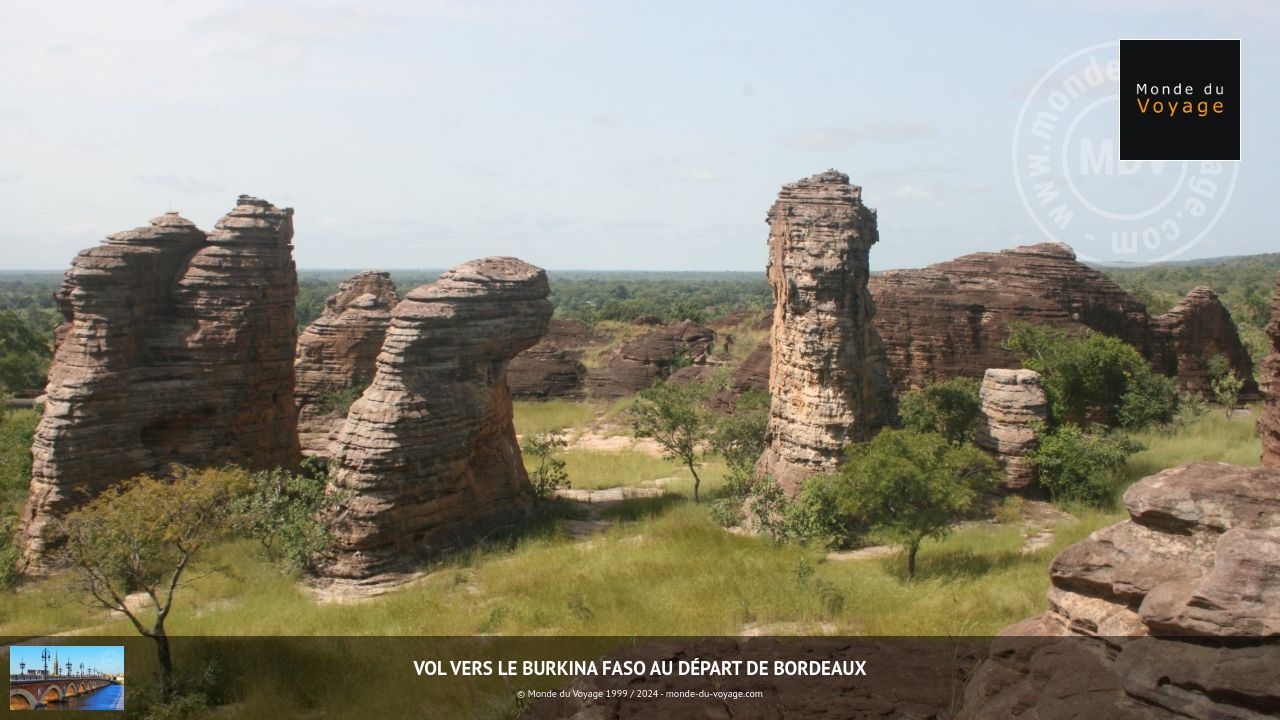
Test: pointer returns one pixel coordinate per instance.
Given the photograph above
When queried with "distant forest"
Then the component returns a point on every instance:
(28, 315)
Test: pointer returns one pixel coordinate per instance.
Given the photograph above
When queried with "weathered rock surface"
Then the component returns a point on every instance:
(1269, 422)
(177, 348)
(428, 457)
(950, 319)
(1013, 410)
(650, 357)
(553, 368)
(827, 380)
(1190, 334)
(337, 352)
(1174, 613)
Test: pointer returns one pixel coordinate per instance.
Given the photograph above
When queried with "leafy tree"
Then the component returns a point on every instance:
(1079, 466)
(739, 438)
(908, 485)
(1224, 382)
(287, 511)
(1093, 377)
(676, 417)
(947, 407)
(143, 536)
(549, 473)
(24, 354)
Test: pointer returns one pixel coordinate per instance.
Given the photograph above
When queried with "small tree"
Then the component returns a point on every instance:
(908, 485)
(287, 512)
(1224, 382)
(947, 407)
(142, 536)
(739, 438)
(1079, 466)
(548, 472)
(675, 416)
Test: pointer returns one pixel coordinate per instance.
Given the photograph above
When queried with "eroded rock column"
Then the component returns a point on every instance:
(1013, 411)
(827, 376)
(428, 456)
(1269, 422)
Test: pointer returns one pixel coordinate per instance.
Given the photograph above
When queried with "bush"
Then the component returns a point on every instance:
(814, 515)
(10, 552)
(548, 472)
(286, 512)
(726, 512)
(1076, 466)
(947, 407)
(739, 438)
(1094, 378)
(337, 403)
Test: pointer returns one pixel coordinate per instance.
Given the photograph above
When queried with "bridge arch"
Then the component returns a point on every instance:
(20, 699)
(70, 690)
(53, 693)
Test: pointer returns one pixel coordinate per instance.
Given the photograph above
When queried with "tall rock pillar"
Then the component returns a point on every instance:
(827, 378)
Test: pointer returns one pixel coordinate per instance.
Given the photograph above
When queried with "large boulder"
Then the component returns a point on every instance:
(177, 347)
(1188, 336)
(553, 368)
(652, 356)
(427, 458)
(337, 352)
(1174, 613)
(827, 379)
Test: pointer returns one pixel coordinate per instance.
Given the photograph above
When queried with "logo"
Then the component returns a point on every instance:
(1076, 187)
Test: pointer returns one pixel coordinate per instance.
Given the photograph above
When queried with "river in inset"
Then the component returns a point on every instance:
(110, 697)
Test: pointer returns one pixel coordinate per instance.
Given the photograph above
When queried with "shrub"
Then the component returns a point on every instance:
(726, 512)
(1079, 466)
(814, 515)
(947, 407)
(676, 417)
(286, 512)
(908, 486)
(1093, 377)
(739, 438)
(1224, 382)
(337, 403)
(548, 472)
(10, 552)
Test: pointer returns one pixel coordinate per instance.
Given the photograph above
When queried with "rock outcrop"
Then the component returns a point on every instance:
(1174, 613)
(1013, 411)
(427, 457)
(1193, 332)
(951, 319)
(827, 379)
(177, 348)
(553, 368)
(336, 354)
(650, 357)
(1269, 422)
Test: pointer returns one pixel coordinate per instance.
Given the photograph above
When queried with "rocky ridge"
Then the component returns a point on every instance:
(427, 458)
(177, 347)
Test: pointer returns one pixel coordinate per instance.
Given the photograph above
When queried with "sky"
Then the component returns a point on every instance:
(106, 658)
(575, 135)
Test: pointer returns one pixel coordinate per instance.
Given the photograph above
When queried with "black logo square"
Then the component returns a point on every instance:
(1179, 99)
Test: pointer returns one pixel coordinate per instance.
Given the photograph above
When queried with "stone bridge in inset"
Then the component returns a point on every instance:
(28, 692)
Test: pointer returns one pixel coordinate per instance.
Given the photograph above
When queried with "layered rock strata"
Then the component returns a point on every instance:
(1174, 613)
(553, 368)
(1195, 330)
(1269, 422)
(336, 354)
(177, 347)
(650, 357)
(1012, 414)
(427, 458)
(827, 377)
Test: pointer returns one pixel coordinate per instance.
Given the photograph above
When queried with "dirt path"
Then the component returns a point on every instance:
(595, 502)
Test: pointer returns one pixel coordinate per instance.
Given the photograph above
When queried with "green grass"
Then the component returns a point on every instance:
(1210, 437)
(536, 417)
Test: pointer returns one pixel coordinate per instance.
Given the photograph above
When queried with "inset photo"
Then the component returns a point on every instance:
(66, 677)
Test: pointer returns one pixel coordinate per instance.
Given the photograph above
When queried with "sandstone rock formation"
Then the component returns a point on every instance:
(827, 380)
(1014, 407)
(1174, 613)
(553, 368)
(650, 357)
(336, 353)
(427, 457)
(1269, 423)
(1190, 334)
(950, 319)
(177, 348)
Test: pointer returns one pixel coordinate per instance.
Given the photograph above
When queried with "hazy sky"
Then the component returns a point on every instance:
(597, 135)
